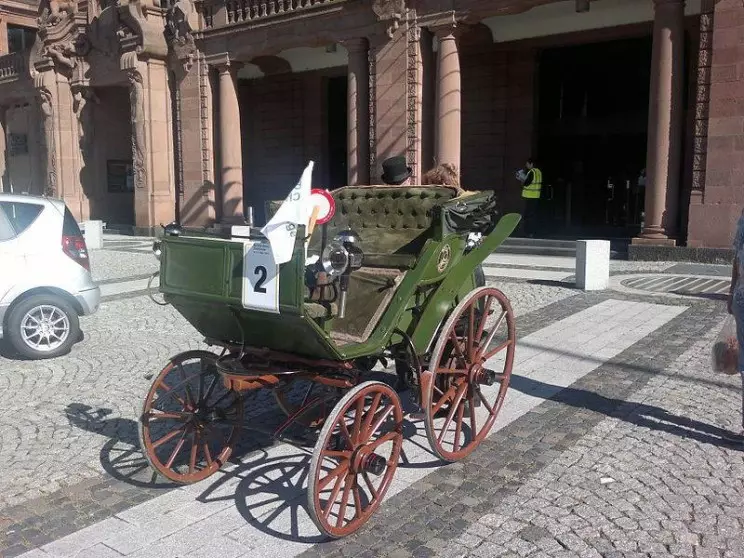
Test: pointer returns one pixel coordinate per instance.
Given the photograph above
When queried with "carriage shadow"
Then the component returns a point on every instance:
(266, 480)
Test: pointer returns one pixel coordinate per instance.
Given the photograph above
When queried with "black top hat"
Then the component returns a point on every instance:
(395, 170)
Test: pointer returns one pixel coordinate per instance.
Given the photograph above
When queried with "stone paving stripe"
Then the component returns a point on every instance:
(559, 262)
(112, 289)
(269, 487)
(124, 279)
(524, 273)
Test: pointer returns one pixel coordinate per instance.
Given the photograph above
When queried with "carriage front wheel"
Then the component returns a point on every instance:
(355, 458)
(468, 373)
(189, 422)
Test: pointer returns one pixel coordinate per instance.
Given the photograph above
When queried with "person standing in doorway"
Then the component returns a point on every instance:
(531, 179)
(396, 172)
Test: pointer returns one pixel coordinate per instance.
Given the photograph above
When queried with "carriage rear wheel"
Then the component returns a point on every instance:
(189, 422)
(355, 459)
(468, 374)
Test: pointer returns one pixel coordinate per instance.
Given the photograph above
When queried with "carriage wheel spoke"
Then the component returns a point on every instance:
(473, 426)
(382, 439)
(483, 400)
(341, 469)
(357, 432)
(210, 389)
(458, 425)
(455, 404)
(471, 331)
(344, 500)
(345, 432)
(157, 414)
(384, 414)
(194, 451)
(442, 400)
(170, 393)
(491, 335)
(497, 350)
(189, 396)
(176, 450)
(486, 312)
(371, 415)
(334, 494)
(168, 437)
(369, 484)
(458, 349)
(357, 499)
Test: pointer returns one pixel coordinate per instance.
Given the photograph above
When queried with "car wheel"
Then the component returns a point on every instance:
(43, 326)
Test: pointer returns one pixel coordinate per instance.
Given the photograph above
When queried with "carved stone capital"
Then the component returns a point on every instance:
(61, 40)
(140, 29)
(357, 44)
(180, 22)
(392, 11)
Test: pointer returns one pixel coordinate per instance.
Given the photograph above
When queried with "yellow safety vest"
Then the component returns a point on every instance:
(532, 191)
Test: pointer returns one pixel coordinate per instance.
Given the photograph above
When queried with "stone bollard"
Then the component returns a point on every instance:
(592, 264)
(93, 233)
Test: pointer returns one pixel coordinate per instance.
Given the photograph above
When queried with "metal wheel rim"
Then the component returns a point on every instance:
(361, 484)
(193, 437)
(467, 391)
(47, 323)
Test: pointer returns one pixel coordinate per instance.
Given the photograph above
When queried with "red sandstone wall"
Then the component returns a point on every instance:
(390, 93)
(713, 213)
(498, 114)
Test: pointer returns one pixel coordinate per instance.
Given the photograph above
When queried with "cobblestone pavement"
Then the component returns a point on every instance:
(632, 459)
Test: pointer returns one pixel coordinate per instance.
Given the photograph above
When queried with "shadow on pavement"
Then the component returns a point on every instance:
(640, 414)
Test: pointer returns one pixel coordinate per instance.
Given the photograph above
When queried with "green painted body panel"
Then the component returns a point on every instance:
(202, 276)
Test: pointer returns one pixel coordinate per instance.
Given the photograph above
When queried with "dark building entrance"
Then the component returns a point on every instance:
(592, 133)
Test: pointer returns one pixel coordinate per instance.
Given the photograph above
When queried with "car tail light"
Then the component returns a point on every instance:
(75, 248)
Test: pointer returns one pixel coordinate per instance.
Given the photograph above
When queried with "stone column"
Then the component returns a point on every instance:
(448, 97)
(357, 106)
(665, 121)
(231, 152)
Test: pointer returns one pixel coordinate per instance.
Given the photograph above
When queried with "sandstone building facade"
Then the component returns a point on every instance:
(137, 112)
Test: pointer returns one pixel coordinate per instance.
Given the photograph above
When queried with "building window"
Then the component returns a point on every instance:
(20, 39)
(120, 176)
(18, 144)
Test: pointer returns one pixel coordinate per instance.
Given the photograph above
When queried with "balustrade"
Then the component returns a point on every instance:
(230, 12)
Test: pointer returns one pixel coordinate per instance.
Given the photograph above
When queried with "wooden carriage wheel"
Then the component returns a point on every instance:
(468, 374)
(189, 422)
(355, 459)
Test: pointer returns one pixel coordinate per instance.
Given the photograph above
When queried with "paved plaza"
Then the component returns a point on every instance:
(616, 438)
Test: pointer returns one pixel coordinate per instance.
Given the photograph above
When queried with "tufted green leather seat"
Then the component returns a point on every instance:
(393, 222)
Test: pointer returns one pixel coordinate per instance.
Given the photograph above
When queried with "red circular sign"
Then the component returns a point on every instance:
(326, 205)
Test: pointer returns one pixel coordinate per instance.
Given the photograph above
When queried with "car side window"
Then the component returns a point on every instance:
(19, 216)
(6, 229)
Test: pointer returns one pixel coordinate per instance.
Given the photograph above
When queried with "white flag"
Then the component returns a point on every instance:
(281, 230)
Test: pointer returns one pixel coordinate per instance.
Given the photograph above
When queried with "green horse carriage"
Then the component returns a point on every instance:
(393, 279)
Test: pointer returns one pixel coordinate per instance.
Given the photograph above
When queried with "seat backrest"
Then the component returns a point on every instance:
(391, 220)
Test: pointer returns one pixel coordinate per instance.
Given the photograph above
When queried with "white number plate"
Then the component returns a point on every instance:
(260, 277)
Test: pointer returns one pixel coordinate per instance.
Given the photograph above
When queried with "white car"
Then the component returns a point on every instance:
(45, 280)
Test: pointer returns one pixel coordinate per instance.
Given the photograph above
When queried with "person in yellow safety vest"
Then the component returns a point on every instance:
(531, 179)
